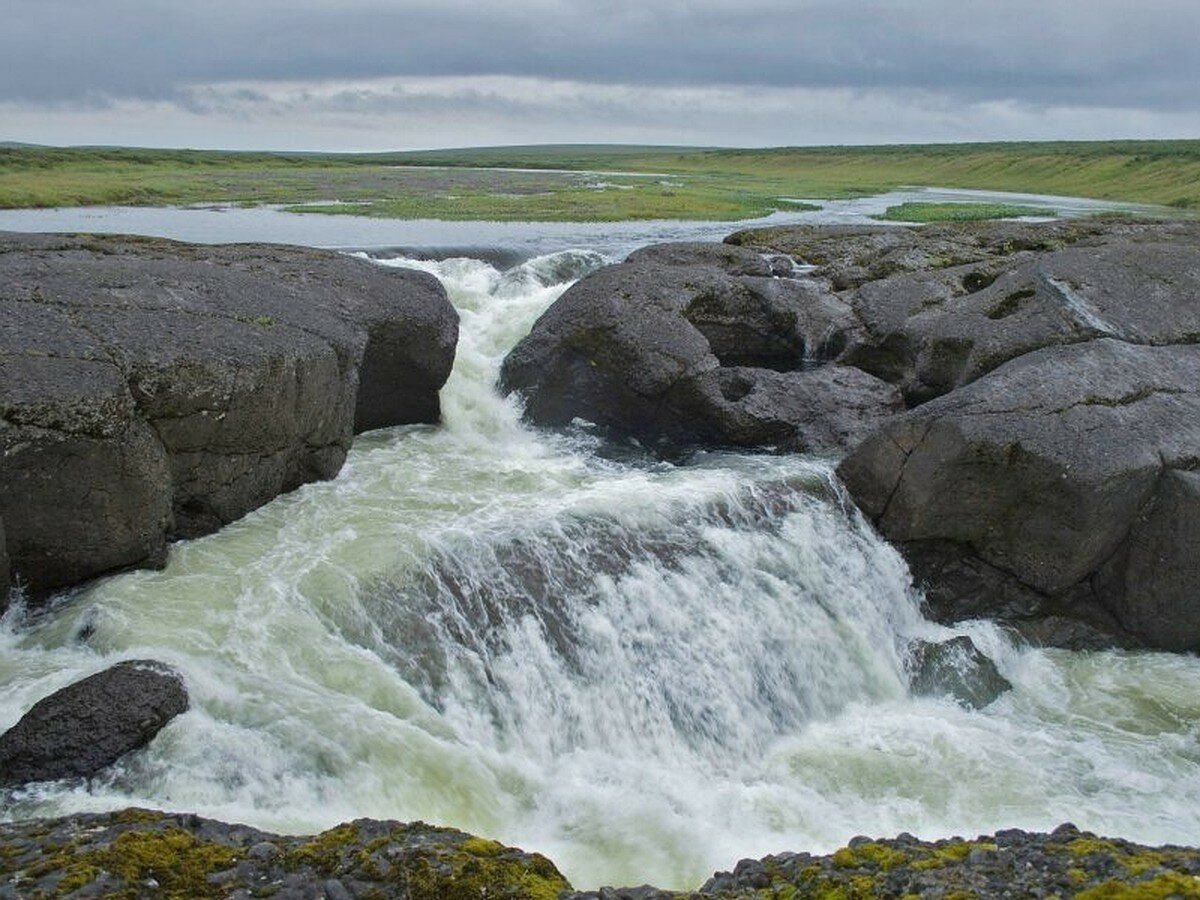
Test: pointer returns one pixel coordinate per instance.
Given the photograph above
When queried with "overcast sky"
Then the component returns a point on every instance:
(395, 74)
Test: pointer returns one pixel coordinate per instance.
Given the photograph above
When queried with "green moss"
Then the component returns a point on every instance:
(1135, 862)
(77, 875)
(948, 854)
(178, 861)
(135, 816)
(1170, 885)
(324, 852)
(873, 854)
(959, 212)
(471, 877)
(481, 847)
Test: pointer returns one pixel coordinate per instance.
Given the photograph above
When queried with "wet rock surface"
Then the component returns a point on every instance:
(700, 345)
(140, 853)
(1046, 473)
(78, 730)
(955, 668)
(151, 390)
(1064, 483)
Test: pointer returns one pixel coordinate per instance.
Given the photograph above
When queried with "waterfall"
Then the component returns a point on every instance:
(643, 669)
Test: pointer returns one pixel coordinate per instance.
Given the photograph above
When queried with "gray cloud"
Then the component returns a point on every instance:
(1078, 52)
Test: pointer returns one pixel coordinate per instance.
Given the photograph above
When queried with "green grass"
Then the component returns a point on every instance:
(686, 183)
(959, 212)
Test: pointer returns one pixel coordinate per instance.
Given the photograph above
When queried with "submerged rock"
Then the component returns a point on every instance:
(697, 344)
(82, 728)
(151, 390)
(955, 668)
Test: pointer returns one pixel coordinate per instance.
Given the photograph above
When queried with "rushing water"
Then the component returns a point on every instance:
(644, 670)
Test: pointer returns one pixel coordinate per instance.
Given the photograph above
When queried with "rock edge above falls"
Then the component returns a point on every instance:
(1018, 405)
(139, 852)
(153, 390)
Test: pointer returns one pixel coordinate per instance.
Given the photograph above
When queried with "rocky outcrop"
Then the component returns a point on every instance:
(1012, 863)
(151, 390)
(138, 852)
(142, 853)
(1046, 473)
(1063, 483)
(955, 668)
(82, 728)
(700, 344)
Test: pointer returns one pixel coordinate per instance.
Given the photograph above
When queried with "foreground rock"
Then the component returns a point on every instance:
(1067, 863)
(151, 390)
(143, 853)
(77, 731)
(147, 854)
(700, 344)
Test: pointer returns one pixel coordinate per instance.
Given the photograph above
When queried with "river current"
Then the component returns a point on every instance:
(645, 670)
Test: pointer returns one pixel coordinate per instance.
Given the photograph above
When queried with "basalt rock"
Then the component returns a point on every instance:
(151, 390)
(955, 668)
(82, 728)
(1047, 471)
(699, 344)
(141, 853)
(1064, 483)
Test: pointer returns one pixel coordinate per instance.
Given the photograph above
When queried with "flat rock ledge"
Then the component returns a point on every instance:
(141, 853)
(153, 390)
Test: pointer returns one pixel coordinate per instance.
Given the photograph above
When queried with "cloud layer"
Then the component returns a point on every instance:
(375, 74)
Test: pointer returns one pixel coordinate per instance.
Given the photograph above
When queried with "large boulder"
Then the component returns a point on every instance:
(699, 344)
(1063, 483)
(151, 390)
(82, 728)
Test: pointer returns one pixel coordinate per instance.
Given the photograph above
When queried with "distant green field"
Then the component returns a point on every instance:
(603, 183)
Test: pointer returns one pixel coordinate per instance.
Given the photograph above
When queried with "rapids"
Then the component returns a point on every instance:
(644, 670)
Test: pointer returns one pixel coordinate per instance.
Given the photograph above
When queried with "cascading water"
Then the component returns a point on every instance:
(643, 670)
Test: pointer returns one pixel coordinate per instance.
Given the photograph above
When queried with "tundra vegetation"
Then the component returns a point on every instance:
(592, 182)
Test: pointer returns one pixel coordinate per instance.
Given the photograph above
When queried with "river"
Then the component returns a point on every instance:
(645, 670)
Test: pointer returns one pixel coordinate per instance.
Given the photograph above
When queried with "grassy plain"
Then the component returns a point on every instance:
(600, 183)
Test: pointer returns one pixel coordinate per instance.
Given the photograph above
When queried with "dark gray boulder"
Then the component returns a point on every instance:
(82, 728)
(955, 668)
(937, 307)
(1064, 483)
(151, 390)
(697, 344)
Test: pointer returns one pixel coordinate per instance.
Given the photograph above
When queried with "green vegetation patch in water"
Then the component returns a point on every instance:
(960, 212)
